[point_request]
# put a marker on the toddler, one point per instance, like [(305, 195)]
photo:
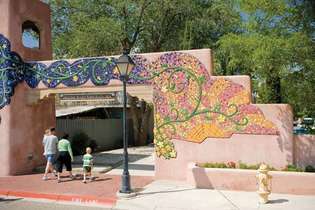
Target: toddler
[(87, 164)]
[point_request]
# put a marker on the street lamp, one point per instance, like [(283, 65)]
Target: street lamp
[(125, 65)]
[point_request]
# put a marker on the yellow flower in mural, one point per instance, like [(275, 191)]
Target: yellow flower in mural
[(221, 118), (160, 144), (163, 151), (48, 81), (164, 89), (168, 148), (75, 78), (173, 154), (241, 98)]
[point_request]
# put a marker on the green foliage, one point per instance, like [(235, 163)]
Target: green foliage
[(310, 168), (148, 26), (231, 164), (276, 50), (293, 168), (213, 165), (80, 141), (240, 165), (245, 166)]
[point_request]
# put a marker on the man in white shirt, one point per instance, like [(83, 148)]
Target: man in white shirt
[(50, 143)]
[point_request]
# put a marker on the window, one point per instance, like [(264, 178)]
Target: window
[(30, 35)]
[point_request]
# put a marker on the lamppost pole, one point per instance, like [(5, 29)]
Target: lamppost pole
[(125, 187), (125, 66)]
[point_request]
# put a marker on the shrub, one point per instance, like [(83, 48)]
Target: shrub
[(213, 165), (245, 166), (309, 168), (293, 168), (80, 141)]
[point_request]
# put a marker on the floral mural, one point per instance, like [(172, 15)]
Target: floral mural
[(189, 104)]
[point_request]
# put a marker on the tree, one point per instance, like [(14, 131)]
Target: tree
[(145, 26), (269, 49), (140, 117)]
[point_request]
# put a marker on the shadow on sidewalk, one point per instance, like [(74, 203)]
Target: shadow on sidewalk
[(10, 199), (140, 194), (278, 201)]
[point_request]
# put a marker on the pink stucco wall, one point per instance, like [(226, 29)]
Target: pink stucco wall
[(275, 150), (37, 12), (26, 131), (304, 151), (245, 180), (23, 125)]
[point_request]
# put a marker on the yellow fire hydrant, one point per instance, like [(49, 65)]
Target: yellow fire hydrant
[(264, 183)]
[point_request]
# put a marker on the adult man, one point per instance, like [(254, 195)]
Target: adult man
[(50, 143)]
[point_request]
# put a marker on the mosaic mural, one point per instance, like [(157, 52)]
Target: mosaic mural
[(11, 71), (189, 104)]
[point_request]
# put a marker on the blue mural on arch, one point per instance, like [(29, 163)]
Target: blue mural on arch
[(99, 70), (11, 71)]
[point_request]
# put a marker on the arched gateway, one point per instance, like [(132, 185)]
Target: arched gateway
[(196, 114)]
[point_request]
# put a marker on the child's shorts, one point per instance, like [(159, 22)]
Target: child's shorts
[(87, 169)]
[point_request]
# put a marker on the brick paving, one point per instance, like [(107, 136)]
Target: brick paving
[(102, 190)]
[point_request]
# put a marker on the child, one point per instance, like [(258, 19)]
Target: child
[(87, 164)]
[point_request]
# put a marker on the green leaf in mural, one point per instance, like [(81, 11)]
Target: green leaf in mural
[(208, 117), (202, 79), (164, 66), (217, 107), (167, 119), (185, 113), (172, 87)]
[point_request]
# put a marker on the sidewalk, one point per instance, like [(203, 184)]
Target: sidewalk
[(151, 195), (101, 191), (167, 195)]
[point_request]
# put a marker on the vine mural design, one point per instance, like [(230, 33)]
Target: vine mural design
[(189, 104)]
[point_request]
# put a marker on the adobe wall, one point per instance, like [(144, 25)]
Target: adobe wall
[(22, 125), (304, 150)]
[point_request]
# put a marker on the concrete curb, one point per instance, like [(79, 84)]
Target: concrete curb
[(78, 199)]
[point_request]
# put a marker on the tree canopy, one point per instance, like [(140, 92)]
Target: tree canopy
[(272, 41)]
